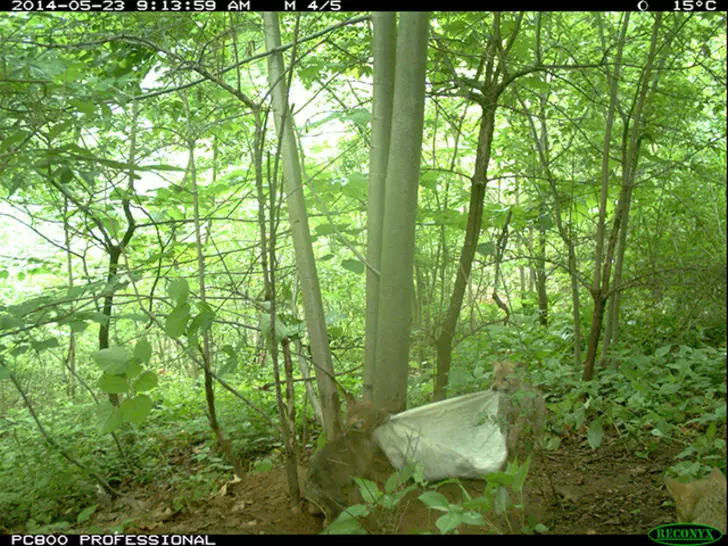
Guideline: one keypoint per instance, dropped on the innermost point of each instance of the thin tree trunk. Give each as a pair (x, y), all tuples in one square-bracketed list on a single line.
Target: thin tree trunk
[(597, 290), (465, 264), (305, 262), (207, 357), (620, 215)]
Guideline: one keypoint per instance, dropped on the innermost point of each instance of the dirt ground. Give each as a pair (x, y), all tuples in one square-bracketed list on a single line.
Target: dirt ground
[(572, 490)]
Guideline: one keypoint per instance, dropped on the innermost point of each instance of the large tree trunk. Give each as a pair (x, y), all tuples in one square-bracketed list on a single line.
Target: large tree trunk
[(385, 35), (400, 212)]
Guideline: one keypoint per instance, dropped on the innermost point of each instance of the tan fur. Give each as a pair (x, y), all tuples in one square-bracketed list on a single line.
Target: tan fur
[(329, 485), (364, 416), (522, 408), (701, 501)]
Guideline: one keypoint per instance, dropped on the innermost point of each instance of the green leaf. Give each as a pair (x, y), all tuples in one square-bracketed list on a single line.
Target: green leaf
[(113, 383), (108, 417), (64, 175), (134, 368), (45, 344), (177, 320), (369, 490), (135, 410), (147, 381), (429, 180), (449, 522), (473, 518), (594, 434), (113, 360), (8, 322), (502, 500), (83, 106), (4, 372), (178, 290), (348, 522), (86, 513), (325, 229), (143, 350), (536, 84), (486, 249), (99, 318), (355, 266), (357, 186), (78, 325), (435, 500), (360, 116), (203, 320)]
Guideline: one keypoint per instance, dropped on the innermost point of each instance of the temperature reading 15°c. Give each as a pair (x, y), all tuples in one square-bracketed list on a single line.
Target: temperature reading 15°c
[(690, 5)]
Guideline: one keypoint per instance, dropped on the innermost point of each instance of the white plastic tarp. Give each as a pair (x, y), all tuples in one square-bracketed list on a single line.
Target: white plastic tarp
[(456, 438)]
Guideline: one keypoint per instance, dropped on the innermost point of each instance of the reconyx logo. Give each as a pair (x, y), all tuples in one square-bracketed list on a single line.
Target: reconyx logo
[(684, 533)]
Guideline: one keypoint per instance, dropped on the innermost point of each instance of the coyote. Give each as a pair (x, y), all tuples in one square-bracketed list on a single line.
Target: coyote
[(329, 485), (522, 407), (701, 501)]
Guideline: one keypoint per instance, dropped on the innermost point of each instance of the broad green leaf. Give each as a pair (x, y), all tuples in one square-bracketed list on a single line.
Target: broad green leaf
[(78, 325), (113, 360), (135, 410), (449, 522), (435, 500), (594, 434), (178, 290), (146, 381), (83, 106), (12, 139), (134, 368), (143, 350), (100, 318), (429, 180), (177, 320), (368, 489), (473, 518), (45, 344), (4, 372), (348, 521), (108, 417), (203, 320), (113, 383), (360, 116), (357, 186), (355, 266), (534, 83)]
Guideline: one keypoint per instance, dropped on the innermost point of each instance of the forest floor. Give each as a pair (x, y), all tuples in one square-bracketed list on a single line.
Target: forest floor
[(572, 490)]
